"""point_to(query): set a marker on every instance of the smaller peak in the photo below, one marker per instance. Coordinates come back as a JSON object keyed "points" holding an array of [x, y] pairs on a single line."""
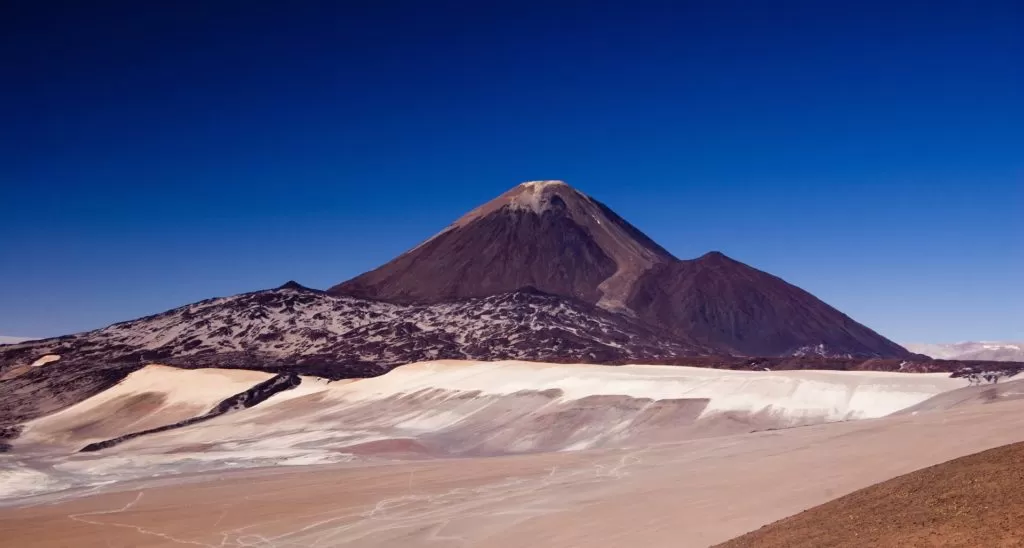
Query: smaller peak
{"points": [[716, 257], [529, 290], [292, 284]]}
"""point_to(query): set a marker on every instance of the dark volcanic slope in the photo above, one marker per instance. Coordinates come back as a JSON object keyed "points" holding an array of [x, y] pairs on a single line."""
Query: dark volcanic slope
{"points": [[749, 312], [547, 235], [976, 500], [295, 329], [542, 234], [340, 337]]}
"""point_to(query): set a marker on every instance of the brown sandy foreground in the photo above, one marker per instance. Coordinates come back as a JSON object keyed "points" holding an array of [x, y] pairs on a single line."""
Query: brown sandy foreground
{"points": [[976, 500], [690, 493]]}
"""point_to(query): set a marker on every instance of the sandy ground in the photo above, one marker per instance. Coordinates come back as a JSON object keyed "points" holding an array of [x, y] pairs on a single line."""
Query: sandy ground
{"points": [[690, 493], [153, 396], [970, 395]]}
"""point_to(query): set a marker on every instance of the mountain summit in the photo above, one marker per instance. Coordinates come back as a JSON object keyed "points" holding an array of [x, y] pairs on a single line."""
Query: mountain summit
{"points": [[541, 234], [552, 237]]}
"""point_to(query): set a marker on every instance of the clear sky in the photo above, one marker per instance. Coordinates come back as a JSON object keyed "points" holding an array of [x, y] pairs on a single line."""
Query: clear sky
{"points": [[869, 152]]}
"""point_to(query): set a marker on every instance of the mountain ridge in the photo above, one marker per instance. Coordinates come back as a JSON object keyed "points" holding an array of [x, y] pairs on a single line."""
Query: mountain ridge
{"points": [[293, 324]]}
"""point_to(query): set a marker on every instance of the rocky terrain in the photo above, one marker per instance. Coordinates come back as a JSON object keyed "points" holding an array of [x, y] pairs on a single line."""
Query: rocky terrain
{"points": [[296, 326], [970, 501], [296, 329]]}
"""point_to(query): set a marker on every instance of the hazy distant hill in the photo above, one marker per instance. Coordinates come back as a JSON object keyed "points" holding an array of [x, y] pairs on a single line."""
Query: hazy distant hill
{"points": [[4, 339], [1002, 351]]}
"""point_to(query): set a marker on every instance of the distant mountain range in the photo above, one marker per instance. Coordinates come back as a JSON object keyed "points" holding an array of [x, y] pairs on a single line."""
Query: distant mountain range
{"points": [[981, 350], [543, 272], [4, 339]]}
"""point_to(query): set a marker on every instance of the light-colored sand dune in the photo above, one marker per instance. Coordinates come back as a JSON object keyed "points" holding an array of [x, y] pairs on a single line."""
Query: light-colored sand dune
{"points": [[43, 360], [462, 408], [832, 395], [434, 409], [150, 397]]}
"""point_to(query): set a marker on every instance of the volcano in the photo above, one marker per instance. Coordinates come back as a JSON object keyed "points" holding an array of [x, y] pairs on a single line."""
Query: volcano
{"points": [[552, 237], [541, 234]]}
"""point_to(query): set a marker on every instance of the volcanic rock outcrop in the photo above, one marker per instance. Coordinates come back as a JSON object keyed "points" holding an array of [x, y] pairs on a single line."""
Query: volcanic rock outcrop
{"points": [[296, 329]]}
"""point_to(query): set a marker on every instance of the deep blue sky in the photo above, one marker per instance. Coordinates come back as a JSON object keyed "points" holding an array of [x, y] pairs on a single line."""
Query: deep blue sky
{"points": [[871, 153]]}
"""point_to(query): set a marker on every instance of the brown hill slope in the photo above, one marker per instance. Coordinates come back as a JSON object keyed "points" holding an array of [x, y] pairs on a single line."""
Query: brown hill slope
{"points": [[972, 501], [749, 312]]}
